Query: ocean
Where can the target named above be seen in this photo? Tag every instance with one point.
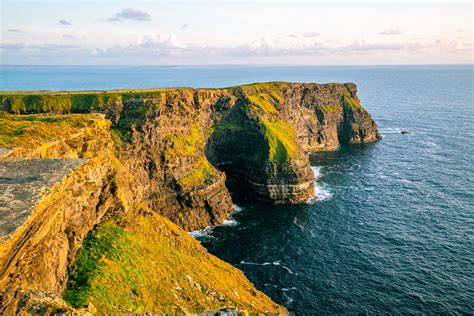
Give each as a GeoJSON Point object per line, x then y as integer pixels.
{"type": "Point", "coordinates": [392, 227]}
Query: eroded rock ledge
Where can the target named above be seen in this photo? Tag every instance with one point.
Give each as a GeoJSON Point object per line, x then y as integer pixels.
{"type": "Point", "coordinates": [168, 152]}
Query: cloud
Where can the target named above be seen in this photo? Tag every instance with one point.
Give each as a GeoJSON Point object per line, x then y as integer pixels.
{"type": "Point", "coordinates": [159, 47]}
{"type": "Point", "coordinates": [15, 31]}
{"type": "Point", "coordinates": [307, 35]}
{"type": "Point", "coordinates": [24, 51]}
{"type": "Point", "coordinates": [363, 46]}
{"type": "Point", "coordinates": [19, 46]}
{"type": "Point", "coordinates": [184, 26]}
{"type": "Point", "coordinates": [146, 46]}
{"type": "Point", "coordinates": [64, 22]}
{"type": "Point", "coordinates": [391, 32]}
{"type": "Point", "coordinates": [130, 14]}
{"type": "Point", "coordinates": [311, 34]}
{"type": "Point", "coordinates": [69, 36]}
{"type": "Point", "coordinates": [114, 19]}
{"type": "Point", "coordinates": [411, 47]}
{"type": "Point", "coordinates": [267, 48]}
{"type": "Point", "coordinates": [160, 41]}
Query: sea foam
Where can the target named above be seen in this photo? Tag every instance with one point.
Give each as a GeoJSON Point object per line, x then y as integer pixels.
{"type": "Point", "coordinates": [274, 263]}
{"type": "Point", "coordinates": [322, 193]}
{"type": "Point", "coordinates": [207, 232]}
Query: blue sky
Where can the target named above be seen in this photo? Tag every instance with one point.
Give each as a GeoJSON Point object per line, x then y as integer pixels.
{"type": "Point", "coordinates": [234, 32]}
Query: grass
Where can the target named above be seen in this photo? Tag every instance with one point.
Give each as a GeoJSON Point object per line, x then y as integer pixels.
{"type": "Point", "coordinates": [281, 137]}
{"type": "Point", "coordinates": [141, 262]}
{"type": "Point", "coordinates": [330, 108]}
{"type": "Point", "coordinates": [264, 101]}
{"type": "Point", "coordinates": [201, 173]}
{"type": "Point", "coordinates": [65, 102]}
{"type": "Point", "coordinates": [262, 86]}
{"type": "Point", "coordinates": [226, 126]}
{"type": "Point", "coordinates": [183, 144]}
{"type": "Point", "coordinates": [119, 136]}
{"type": "Point", "coordinates": [32, 130]}
{"type": "Point", "coordinates": [353, 103]}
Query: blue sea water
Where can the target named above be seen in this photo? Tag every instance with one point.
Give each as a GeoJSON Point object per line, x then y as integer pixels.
{"type": "Point", "coordinates": [392, 229]}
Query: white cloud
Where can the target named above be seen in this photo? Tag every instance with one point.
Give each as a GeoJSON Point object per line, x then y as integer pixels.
{"type": "Point", "coordinates": [160, 41]}
{"type": "Point", "coordinates": [305, 35]}
{"type": "Point", "coordinates": [65, 22]}
{"type": "Point", "coordinates": [311, 34]}
{"type": "Point", "coordinates": [391, 32]}
{"type": "Point", "coordinates": [146, 46]}
{"type": "Point", "coordinates": [150, 47]}
{"type": "Point", "coordinates": [130, 14]}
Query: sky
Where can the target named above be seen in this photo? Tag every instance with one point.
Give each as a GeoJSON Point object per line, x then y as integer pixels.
{"type": "Point", "coordinates": [85, 32]}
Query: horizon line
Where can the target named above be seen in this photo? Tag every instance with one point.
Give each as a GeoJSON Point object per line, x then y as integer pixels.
{"type": "Point", "coordinates": [235, 65]}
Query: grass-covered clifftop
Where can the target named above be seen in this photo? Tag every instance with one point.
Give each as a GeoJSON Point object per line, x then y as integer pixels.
{"type": "Point", "coordinates": [141, 262]}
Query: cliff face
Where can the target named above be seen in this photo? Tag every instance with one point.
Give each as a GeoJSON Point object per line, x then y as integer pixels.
{"type": "Point", "coordinates": [173, 152]}
{"type": "Point", "coordinates": [183, 140]}
{"type": "Point", "coordinates": [131, 259]}
{"type": "Point", "coordinates": [35, 254]}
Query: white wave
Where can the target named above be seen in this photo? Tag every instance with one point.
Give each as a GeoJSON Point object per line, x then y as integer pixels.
{"type": "Point", "coordinates": [229, 222]}
{"type": "Point", "coordinates": [206, 232]}
{"type": "Point", "coordinates": [250, 263]}
{"type": "Point", "coordinates": [278, 263]}
{"type": "Point", "coordinates": [321, 192]}
{"type": "Point", "coordinates": [237, 208]}
{"type": "Point", "coordinates": [295, 221]}
{"type": "Point", "coordinates": [274, 263]}
{"type": "Point", "coordinates": [289, 300]}
{"type": "Point", "coordinates": [390, 130]}
{"type": "Point", "coordinates": [316, 171]}
{"type": "Point", "coordinates": [394, 130]}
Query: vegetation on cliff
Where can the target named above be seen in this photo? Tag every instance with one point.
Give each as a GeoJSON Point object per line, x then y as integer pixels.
{"type": "Point", "coordinates": [281, 137]}
{"type": "Point", "coordinates": [201, 173]}
{"type": "Point", "coordinates": [53, 103]}
{"type": "Point", "coordinates": [351, 102]}
{"type": "Point", "coordinates": [32, 131]}
{"type": "Point", "coordinates": [264, 103]}
{"type": "Point", "coordinates": [141, 262]}
{"type": "Point", "coordinates": [330, 108]}
{"type": "Point", "coordinates": [183, 144]}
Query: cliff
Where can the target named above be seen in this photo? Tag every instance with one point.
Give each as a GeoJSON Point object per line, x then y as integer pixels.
{"type": "Point", "coordinates": [143, 158]}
